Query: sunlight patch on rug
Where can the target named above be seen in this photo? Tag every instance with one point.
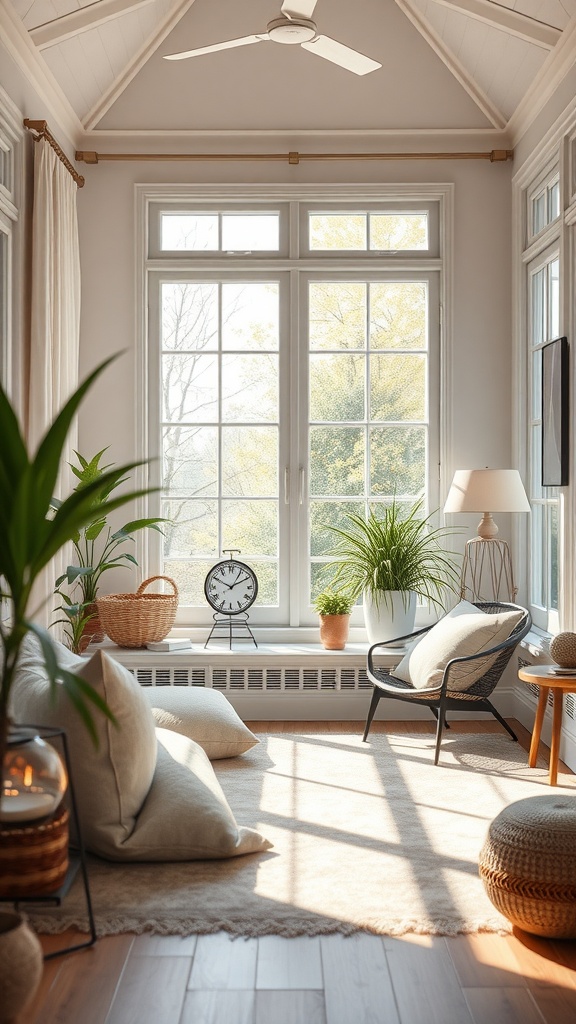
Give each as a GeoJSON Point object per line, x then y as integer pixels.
{"type": "Point", "coordinates": [366, 837]}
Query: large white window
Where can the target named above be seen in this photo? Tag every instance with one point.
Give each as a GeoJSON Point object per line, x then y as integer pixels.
{"type": "Point", "coordinates": [544, 272]}
{"type": "Point", "coordinates": [293, 374]}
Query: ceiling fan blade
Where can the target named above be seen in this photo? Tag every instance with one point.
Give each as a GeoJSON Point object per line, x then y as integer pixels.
{"type": "Point", "coordinates": [298, 8]}
{"type": "Point", "coordinates": [228, 45]}
{"type": "Point", "coordinates": [336, 52]}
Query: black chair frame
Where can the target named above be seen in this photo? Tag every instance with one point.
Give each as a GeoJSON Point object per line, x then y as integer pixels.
{"type": "Point", "coordinates": [439, 700]}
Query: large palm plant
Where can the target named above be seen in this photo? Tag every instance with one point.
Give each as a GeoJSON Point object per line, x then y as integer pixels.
{"type": "Point", "coordinates": [398, 551]}
{"type": "Point", "coordinates": [31, 533]}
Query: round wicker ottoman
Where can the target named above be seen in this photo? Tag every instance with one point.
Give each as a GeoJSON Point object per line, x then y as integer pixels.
{"type": "Point", "coordinates": [528, 865]}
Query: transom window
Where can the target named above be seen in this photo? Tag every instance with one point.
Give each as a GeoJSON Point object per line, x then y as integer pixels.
{"type": "Point", "coordinates": [291, 389]}
{"type": "Point", "coordinates": [544, 204]}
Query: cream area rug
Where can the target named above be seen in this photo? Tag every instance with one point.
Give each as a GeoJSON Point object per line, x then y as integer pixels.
{"type": "Point", "coordinates": [366, 837]}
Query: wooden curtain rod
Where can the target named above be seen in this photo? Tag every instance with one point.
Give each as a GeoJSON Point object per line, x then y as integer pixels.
{"type": "Point", "coordinates": [41, 128]}
{"type": "Point", "coordinates": [494, 156]}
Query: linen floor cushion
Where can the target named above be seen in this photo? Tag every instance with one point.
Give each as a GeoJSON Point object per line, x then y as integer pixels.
{"type": "Point", "coordinates": [464, 630]}
{"type": "Point", "coordinates": [186, 815]}
{"type": "Point", "coordinates": [111, 781]}
{"type": "Point", "coordinates": [204, 715]}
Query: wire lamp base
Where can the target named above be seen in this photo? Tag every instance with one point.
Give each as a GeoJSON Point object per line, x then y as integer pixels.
{"type": "Point", "coordinates": [487, 571]}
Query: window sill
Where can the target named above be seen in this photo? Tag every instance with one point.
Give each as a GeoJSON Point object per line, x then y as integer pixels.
{"type": "Point", "coordinates": [537, 643]}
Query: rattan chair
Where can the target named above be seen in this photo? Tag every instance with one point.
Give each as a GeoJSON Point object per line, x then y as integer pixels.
{"type": "Point", "coordinates": [442, 699]}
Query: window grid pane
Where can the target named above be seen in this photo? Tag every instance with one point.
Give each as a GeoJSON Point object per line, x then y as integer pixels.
{"type": "Point", "coordinates": [545, 325]}
{"type": "Point", "coordinates": [368, 435]}
{"type": "Point", "coordinates": [220, 430]}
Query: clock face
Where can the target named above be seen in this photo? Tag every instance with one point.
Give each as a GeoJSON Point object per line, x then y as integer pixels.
{"type": "Point", "coordinates": [231, 587]}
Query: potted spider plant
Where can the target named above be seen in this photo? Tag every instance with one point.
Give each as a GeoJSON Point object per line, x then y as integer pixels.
{"type": "Point", "coordinates": [391, 559]}
{"type": "Point", "coordinates": [334, 614]}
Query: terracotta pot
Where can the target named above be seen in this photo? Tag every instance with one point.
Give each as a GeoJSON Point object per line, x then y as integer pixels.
{"type": "Point", "coordinates": [93, 632]}
{"type": "Point", "coordinates": [21, 965]}
{"type": "Point", "coordinates": [334, 631]}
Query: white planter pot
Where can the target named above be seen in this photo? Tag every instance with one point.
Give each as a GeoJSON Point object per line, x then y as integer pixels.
{"type": "Point", "coordinates": [389, 618]}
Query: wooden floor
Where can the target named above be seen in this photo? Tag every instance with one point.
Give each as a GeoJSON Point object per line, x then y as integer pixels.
{"type": "Point", "coordinates": [364, 979]}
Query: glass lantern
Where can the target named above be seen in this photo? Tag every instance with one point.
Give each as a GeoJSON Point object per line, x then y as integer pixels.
{"type": "Point", "coordinates": [33, 779]}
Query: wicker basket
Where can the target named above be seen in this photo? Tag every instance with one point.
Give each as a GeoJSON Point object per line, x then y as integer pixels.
{"type": "Point", "coordinates": [34, 858]}
{"type": "Point", "coordinates": [134, 620]}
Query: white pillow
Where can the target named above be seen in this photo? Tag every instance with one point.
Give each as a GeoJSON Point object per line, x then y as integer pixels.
{"type": "Point", "coordinates": [204, 715]}
{"type": "Point", "coordinates": [186, 815]}
{"type": "Point", "coordinates": [112, 781]}
{"type": "Point", "coordinates": [464, 630]}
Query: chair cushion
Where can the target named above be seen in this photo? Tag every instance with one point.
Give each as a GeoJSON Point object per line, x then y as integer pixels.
{"type": "Point", "coordinates": [463, 631]}
{"type": "Point", "coordinates": [111, 781]}
{"type": "Point", "coordinates": [204, 715]}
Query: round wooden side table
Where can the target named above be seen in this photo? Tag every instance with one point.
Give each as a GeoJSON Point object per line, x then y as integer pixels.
{"type": "Point", "coordinates": [546, 678]}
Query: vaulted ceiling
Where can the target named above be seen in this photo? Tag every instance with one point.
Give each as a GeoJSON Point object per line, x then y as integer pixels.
{"type": "Point", "coordinates": [446, 65]}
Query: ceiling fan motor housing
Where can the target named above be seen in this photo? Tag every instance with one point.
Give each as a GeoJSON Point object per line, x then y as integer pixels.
{"type": "Point", "coordinates": [291, 30]}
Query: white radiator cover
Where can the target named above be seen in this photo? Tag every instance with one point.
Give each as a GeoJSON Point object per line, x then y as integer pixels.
{"type": "Point", "coordinates": [283, 682]}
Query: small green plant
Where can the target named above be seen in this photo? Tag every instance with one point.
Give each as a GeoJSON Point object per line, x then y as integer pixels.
{"type": "Point", "coordinates": [397, 551]}
{"type": "Point", "coordinates": [330, 603]}
{"type": "Point", "coordinates": [77, 617]}
{"type": "Point", "coordinates": [95, 545]}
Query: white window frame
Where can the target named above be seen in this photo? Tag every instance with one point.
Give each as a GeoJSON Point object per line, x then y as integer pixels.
{"type": "Point", "coordinates": [440, 197]}
{"type": "Point", "coordinates": [11, 136]}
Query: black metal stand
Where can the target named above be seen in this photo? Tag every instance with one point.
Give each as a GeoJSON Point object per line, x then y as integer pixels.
{"type": "Point", "coordinates": [77, 859]}
{"type": "Point", "coordinates": [231, 627]}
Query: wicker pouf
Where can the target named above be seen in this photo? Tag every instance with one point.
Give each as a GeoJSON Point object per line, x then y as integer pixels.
{"type": "Point", "coordinates": [528, 865]}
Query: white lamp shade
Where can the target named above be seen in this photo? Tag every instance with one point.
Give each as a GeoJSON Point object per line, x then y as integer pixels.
{"type": "Point", "coordinates": [487, 490]}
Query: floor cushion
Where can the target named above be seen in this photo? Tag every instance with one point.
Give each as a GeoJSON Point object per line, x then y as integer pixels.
{"type": "Point", "coordinates": [204, 715]}
{"type": "Point", "coordinates": [143, 793]}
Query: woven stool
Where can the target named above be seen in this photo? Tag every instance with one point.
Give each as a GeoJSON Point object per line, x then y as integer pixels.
{"type": "Point", "coordinates": [528, 865]}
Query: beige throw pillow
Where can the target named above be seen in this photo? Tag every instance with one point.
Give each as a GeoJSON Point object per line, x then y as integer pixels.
{"type": "Point", "coordinates": [111, 782]}
{"type": "Point", "coordinates": [204, 715]}
{"type": "Point", "coordinates": [464, 630]}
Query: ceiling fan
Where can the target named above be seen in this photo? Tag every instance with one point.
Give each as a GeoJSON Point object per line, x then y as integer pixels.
{"type": "Point", "coordinates": [295, 26]}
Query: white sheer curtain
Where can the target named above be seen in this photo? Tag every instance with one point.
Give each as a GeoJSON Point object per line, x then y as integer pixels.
{"type": "Point", "coordinates": [55, 323]}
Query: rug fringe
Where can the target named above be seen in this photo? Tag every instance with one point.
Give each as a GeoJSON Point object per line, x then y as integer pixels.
{"type": "Point", "coordinates": [283, 928]}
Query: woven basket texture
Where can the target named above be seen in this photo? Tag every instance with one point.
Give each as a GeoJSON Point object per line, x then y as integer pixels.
{"type": "Point", "coordinates": [134, 620]}
{"type": "Point", "coordinates": [528, 865]}
{"type": "Point", "coordinates": [563, 650]}
{"type": "Point", "coordinates": [34, 858]}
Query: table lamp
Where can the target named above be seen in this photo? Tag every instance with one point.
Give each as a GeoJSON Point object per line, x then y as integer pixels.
{"type": "Point", "coordinates": [487, 564]}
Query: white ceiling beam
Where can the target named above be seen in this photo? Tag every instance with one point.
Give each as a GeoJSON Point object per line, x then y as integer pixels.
{"type": "Point", "coordinates": [136, 64]}
{"type": "Point", "coordinates": [520, 25]}
{"type": "Point", "coordinates": [482, 101]}
{"type": "Point", "coordinates": [20, 47]}
{"type": "Point", "coordinates": [53, 32]}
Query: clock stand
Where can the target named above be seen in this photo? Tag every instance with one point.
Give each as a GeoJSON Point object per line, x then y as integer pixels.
{"type": "Point", "coordinates": [230, 628]}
